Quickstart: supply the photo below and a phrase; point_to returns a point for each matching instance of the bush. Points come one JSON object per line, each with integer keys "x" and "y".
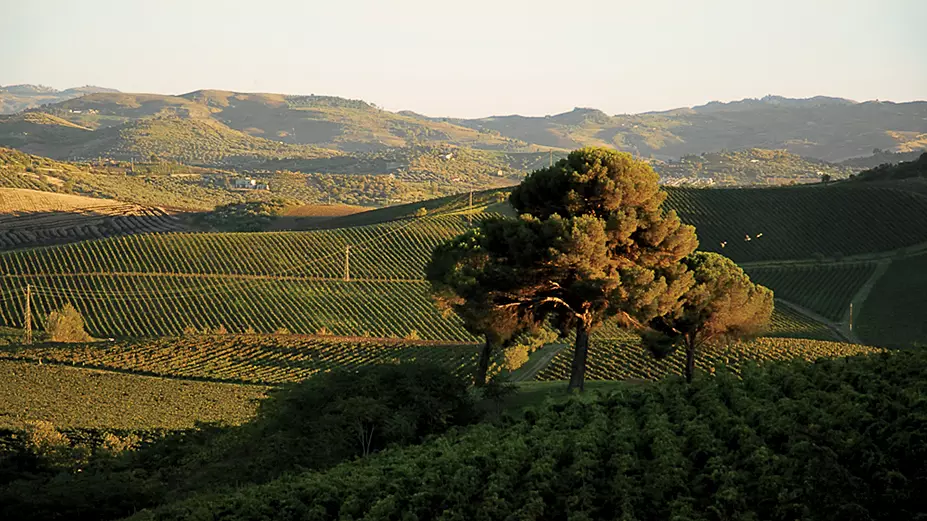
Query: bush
{"x": 66, "y": 325}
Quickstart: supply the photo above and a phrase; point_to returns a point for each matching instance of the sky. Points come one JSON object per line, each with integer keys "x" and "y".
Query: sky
{"x": 475, "y": 58}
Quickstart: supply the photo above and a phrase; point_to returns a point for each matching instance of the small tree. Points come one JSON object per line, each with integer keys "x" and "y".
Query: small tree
{"x": 66, "y": 325}
{"x": 461, "y": 282}
{"x": 723, "y": 303}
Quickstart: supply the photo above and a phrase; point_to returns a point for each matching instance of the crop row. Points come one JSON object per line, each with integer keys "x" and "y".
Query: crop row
{"x": 616, "y": 360}
{"x": 827, "y": 290}
{"x": 802, "y": 222}
{"x": 388, "y": 251}
{"x": 266, "y": 359}
{"x": 895, "y": 312}
{"x": 157, "y": 305}
{"x": 79, "y": 398}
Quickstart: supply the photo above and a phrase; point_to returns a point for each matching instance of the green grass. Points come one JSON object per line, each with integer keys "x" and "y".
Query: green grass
{"x": 78, "y": 398}
{"x": 264, "y": 359}
{"x": 895, "y": 312}
{"x": 826, "y": 290}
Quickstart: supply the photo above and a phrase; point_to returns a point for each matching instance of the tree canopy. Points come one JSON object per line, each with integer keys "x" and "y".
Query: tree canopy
{"x": 722, "y": 303}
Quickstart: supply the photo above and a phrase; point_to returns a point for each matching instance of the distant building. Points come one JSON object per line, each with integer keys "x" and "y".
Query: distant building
{"x": 248, "y": 184}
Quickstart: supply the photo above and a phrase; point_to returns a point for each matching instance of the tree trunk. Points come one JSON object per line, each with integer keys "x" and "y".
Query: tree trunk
{"x": 482, "y": 365}
{"x": 690, "y": 358}
{"x": 580, "y": 350}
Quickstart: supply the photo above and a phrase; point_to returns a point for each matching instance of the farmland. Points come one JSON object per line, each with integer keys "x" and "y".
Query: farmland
{"x": 72, "y": 397}
{"x": 826, "y": 290}
{"x": 804, "y": 222}
{"x": 894, "y": 313}
{"x": 617, "y": 360}
{"x": 257, "y": 359}
{"x": 30, "y": 218}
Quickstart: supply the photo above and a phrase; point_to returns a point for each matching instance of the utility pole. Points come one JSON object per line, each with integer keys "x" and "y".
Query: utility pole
{"x": 470, "y": 209}
{"x": 347, "y": 259}
{"x": 851, "y": 317}
{"x": 551, "y": 157}
{"x": 27, "y": 320}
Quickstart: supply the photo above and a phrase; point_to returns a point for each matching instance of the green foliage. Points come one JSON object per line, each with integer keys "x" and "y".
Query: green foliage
{"x": 903, "y": 170}
{"x": 722, "y": 304}
{"x": 314, "y": 424}
{"x": 245, "y": 217}
{"x": 834, "y": 440}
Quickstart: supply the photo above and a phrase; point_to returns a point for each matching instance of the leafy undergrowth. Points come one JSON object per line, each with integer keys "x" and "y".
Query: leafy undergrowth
{"x": 834, "y": 440}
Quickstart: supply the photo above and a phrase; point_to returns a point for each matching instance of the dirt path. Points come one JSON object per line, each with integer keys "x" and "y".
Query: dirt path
{"x": 882, "y": 256}
{"x": 528, "y": 371}
{"x": 838, "y": 329}
{"x": 861, "y": 296}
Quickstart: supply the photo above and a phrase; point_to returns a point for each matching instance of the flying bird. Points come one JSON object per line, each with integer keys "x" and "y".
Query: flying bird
{"x": 746, "y": 237}
{"x": 723, "y": 243}
{"x": 759, "y": 235}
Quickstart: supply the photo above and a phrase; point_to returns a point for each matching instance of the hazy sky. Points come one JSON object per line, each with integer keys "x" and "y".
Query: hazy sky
{"x": 472, "y": 58}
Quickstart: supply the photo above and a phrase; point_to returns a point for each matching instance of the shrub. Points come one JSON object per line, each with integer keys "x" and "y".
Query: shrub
{"x": 66, "y": 325}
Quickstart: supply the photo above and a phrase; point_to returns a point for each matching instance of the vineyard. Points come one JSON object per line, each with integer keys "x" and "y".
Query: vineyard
{"x": 77, "y": 398}
{"x": 260, "y": 359}
{"x": 803, "y": 222}
{"x": 826, "y": 290}
{"x": 895, "y": 312}
{"x": 618, "y": 360}
{"x": 29, "y": 218}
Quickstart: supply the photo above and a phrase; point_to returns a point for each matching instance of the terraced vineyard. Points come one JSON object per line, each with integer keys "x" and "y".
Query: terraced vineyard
{"x": 895, "y": 313}
{"x": 30, "y": 218}
{"x": 826, "y": 290}
{"x": 261, "y": 359}
{"x": 617, "y": 360}
{"x": 78, "y": 398}
{"x": 802, "y": 222}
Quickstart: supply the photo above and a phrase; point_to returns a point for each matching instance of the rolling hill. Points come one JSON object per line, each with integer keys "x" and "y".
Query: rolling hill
{"x": 830, "y": 129}
{"x": 297, "y": 281}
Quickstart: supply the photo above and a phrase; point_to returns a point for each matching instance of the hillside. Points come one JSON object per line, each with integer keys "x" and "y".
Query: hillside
{"x": 752, "y": 166}
{"x": 16, "y": 98}
{"x": 322, "y": 121}
{"x": 295, "y": 281}
{"x": 29, "y": 218}
{"x": 823, "y": 128}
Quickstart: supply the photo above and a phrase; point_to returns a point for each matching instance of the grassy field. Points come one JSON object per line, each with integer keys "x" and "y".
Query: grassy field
{"x": 73, "y": 397}
{"x": 264, "y": 359}
{"x": 894, "y": 314}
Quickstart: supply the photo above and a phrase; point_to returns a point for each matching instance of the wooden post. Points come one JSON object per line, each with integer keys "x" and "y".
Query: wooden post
{"x": 27, "y": 319}
{"x": 851, "y": 317}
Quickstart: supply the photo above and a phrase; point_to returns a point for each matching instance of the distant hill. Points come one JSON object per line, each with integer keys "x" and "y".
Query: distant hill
{"x": 15, "y": 98}
{"x": 831, "y": 129}
{"x": 893, "y": 172}
{"x": 750, "y": 166}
